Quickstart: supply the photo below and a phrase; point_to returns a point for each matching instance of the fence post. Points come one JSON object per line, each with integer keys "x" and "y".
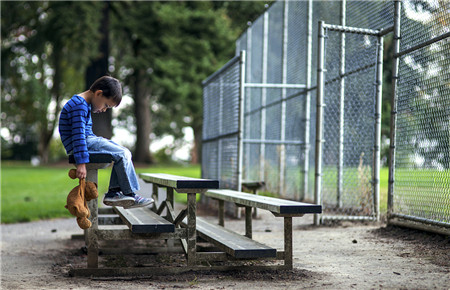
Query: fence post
{"x": 376, "y": 156}
{"x": 241, "y": 118}
{"x": 262, "y": 158}
{"x": 319, "y": 117}
{"x": 281, "y": 178}
{"x": 307, "y": 134}
{"x": 395, "y": 64}
{"x": 341, "y": 111}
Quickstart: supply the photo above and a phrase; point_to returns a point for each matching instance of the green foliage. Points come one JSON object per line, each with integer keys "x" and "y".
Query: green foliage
{"x": 45, "y": 47}
{"x": 164, "y": 49}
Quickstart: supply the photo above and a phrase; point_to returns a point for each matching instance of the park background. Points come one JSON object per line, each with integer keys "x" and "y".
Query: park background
{"x": 161, "y": 51}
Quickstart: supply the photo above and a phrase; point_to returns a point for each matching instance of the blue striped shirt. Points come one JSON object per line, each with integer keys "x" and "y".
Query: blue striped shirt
{"x": 75, "y": 124}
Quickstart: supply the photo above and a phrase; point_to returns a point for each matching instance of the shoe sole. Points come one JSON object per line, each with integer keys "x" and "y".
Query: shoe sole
{"x": 121, "y": 203}
{"x": 139, "y": 205}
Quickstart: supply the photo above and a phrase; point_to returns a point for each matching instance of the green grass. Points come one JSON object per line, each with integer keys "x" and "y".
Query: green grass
{"x": 32, "y": 193}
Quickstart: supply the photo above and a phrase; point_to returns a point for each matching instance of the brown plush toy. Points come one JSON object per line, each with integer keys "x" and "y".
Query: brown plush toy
{"x": 78, "y": 198}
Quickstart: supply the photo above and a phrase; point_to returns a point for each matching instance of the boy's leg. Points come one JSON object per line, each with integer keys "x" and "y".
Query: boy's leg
{"x": 123, "y": 175}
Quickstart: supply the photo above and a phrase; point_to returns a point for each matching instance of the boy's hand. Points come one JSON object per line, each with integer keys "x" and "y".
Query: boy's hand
{"x": 81, "y": 171}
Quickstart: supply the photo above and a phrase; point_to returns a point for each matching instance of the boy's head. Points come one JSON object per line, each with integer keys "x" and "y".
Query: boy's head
{"x": 107, "y": 93}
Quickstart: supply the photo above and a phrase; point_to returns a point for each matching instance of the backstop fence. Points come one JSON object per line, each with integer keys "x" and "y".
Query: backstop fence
{"x": 419, "y": 179}
{"x": 299, "y": 108}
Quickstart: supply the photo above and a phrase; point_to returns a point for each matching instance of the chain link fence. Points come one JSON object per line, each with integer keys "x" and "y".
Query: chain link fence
{"x": 419, "y": 191}
{"x": 221, "y": 94}
{"x": 350, "y": 105}
{"x": 281, "y": 99}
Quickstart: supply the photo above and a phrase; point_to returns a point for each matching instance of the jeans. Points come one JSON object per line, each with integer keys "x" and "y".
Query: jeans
{"x": 123, "y": 175}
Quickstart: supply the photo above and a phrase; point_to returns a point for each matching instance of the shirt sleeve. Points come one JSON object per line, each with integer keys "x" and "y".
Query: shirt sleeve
{"x": 80, "y": 115}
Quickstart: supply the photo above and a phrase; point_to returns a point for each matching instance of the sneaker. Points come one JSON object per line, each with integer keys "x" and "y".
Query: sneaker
{"x": 139, "y": 201}
{"x": 118, "y": 199}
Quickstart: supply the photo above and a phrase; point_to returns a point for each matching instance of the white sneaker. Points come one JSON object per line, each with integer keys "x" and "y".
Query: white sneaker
{"x": 118, "y": 199}
{"x": 139, "y": 201}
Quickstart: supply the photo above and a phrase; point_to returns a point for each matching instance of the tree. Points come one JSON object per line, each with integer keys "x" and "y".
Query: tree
{"x": 44, "y": 51}
{"x": 138, "y": 25}
{"x": 101, "y": 123}
{"x": 198, "y": 39}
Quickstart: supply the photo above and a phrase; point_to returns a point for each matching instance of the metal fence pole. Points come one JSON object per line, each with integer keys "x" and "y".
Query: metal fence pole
{"x": 281, "y": 186}
{"x": 395, "y": 64}
{"x": 219, "y": 142}
{"x": 376, "y": 156}
{"x": 241, "y": 118}
{"x": 263, "y": 97}
{"x": 319, "y": 117}
{"x": 308, "y": 101}
{"x": 341, "y": 111}
{"x": 248, "y": 100}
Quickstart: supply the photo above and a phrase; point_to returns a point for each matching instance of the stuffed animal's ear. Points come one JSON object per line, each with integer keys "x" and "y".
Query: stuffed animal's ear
{"x": 72, "y": 173}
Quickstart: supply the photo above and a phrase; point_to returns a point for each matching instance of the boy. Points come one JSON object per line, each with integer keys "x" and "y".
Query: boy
{"x": 75, "y": 128}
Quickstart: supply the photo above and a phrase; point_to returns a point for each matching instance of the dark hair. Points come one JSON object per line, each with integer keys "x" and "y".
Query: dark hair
{"x": 110, "y": 87}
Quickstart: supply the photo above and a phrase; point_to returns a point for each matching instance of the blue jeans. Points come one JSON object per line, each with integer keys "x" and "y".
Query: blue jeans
{"x": 123, "y": 174}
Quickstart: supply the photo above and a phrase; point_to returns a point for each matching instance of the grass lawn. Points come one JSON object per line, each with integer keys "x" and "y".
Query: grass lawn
{"x": 32, "y": 193}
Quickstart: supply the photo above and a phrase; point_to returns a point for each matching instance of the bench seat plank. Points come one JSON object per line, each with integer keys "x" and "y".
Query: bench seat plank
{"x": 143, "y": 220}
{"x": 232, "y": 243}
{"x": 178, "y": 182}
{"x": 94, "y": 158}
{"x": 272, "y": 204}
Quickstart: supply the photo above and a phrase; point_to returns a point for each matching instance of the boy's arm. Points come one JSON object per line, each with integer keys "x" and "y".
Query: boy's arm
{"x": 80, "y": 151}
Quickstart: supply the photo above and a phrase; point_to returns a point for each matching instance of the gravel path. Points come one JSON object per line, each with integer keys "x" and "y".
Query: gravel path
{"x": 38, "y": 255}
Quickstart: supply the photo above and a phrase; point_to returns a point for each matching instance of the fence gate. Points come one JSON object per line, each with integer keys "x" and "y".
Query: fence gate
{"x": 349, "y": 74}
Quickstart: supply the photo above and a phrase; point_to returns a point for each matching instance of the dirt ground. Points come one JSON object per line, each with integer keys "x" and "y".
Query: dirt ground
{"x": 38, "y": 255}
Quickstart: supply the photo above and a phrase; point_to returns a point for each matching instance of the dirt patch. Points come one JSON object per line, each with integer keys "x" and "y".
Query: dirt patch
{"x": 424, "y": 245}
{"x": 38, "y": 255}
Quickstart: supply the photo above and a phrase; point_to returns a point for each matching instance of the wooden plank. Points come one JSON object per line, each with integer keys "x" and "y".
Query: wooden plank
{"x": 251, "y": 184}
{"x": 109, "y": 219}
{"x": 232, "y": 243}
{"x": 95, "y": 158}
{"x": 277, "y": 205}
{"x": 143, "y": 220}
{"x": 178, "y": 182}
{"x": 122, "y": 232}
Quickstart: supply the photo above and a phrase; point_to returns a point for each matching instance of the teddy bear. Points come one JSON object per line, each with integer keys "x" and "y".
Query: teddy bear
{"x": 78, "y": 198}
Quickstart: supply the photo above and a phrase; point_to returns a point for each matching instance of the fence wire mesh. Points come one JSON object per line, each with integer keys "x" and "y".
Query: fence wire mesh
{"x": 349, "y": 124}
{"x": 421, "y": 191}
{"x": 279, "y": 125}
{"x": 221, "y": 124}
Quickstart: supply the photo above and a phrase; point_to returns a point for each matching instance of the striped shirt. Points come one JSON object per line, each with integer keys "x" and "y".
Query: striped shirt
{"x": 75, "y": 124}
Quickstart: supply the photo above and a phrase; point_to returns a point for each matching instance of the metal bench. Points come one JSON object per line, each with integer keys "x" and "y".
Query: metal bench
{"x": 143, "y": 220}
{"x": 232, "y": 243}
{"x": 279, "y": 207}
{"x": 143, "y": 223}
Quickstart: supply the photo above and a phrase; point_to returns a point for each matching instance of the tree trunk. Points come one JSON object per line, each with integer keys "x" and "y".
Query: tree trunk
{"x": 143, "y": 119}
{"x": 101, "y": 123}
{"x": 196, "y": 152}
{"x": 47, "y": 127}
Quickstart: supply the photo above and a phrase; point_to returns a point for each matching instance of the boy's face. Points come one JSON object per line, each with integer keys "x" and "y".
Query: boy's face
{"x": 100, "y": 103}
